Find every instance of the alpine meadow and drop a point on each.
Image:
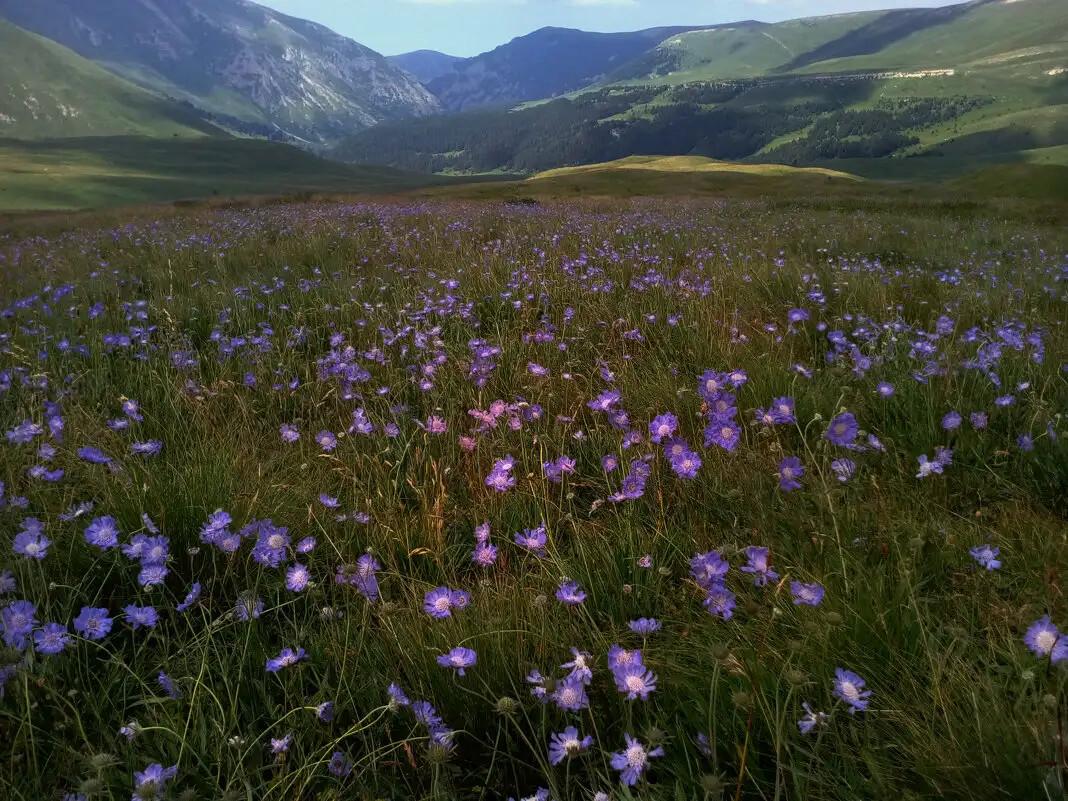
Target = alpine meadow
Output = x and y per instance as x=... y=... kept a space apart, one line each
x=671 y=414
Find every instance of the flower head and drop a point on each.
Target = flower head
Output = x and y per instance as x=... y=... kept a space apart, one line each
x=633 y=760
x=849 y=687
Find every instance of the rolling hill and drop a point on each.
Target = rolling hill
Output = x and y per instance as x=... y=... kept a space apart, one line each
x=234 y=59
x=47 y=90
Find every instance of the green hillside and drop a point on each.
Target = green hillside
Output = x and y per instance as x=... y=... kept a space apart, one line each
x=98 y=172
x=47 y=90
x=999 y=35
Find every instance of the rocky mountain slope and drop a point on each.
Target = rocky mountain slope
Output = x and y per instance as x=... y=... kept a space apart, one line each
x=234 y=58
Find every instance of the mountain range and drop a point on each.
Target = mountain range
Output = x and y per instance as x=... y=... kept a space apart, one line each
x=984 y=79
x=932 y=90
x=234 y=59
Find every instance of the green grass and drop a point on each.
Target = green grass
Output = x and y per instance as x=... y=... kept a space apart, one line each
x=119 y=171
x=47 y=90
x=305 y=297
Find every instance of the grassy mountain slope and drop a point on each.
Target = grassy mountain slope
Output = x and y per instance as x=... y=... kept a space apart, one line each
x=743 y=50
x=545 y=63
x=47 y=90
x=111 y=171
x=984 y=80
x=234 y=58
x=987 y=33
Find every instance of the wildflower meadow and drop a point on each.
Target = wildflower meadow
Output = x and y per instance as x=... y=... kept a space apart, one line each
x=573 y=500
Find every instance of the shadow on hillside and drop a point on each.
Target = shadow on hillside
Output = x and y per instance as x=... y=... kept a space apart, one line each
x=880 y=33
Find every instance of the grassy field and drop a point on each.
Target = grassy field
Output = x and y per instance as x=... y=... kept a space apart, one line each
x=98 y=172
x=458 y=500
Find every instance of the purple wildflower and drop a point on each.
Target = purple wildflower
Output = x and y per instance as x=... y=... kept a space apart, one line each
x=633 y=760
x=567 y=744
x=459 y=659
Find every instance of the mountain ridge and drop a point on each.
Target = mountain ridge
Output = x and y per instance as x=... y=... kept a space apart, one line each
x=426 y=65
x=234 y=58
x=567 y=59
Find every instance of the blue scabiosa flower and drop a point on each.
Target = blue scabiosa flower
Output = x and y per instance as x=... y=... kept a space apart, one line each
x=297 y=578
x=663 y=427
x=289 y=433
x=93 y=455
x=951 y=420
x=843 y=430
x=686 y=464
x=31 y=541
x=324 y=712
x=1046 y=640
x=726 y=434
x=635 y=680
x=149 y=783
x=51 y=639
x=849 y=687
x=103 y=533
x=790 y=470
x=327 y=441
x=285 y=658
x=150 y=447
x=806 y=594
x=579 y=666
x=166 y=683
x=570 y=693
x=811 y=719
x=440 y=601
x=191 y=598
x=459 y=659
x=843 y=469
x=272 y=542
x=141 y=617
x=17 y=620
x=570 y=593
x=248 y=607
x=709 y=569
x=567 y=744
x=758 y=566
x=280 y=745
x=720 y=602
x=93 y=623
x=152 y=575
x=645 y=626
x=633 y=760
x=986 y=556
x=533 y=540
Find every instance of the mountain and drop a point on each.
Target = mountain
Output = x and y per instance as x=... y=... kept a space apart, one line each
x=969 y=36
x=426 y=65
x=938 y=87
x=47 y=90
x=545 y=63
x=235 y=59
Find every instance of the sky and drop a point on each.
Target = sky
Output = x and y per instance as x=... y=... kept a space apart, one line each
x=469 y=27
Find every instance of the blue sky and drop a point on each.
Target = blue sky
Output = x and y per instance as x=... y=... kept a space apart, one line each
x=468 y=27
